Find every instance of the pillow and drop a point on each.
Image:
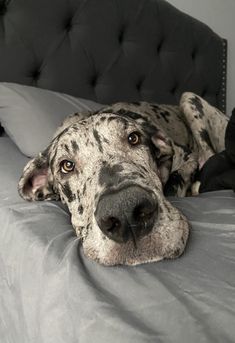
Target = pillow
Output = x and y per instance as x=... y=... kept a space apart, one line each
x=31 y=115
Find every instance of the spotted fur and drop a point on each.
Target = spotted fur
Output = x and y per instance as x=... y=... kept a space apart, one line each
x=175 y=142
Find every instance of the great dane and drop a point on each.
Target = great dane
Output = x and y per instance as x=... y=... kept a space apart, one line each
x=114 y=168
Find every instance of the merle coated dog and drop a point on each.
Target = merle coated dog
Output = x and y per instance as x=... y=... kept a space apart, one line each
x=114 y=168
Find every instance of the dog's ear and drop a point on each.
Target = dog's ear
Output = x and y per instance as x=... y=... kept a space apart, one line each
x=36 y=182
x=163 y=153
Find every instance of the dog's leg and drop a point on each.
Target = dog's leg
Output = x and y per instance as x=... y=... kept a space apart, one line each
x=184 y=168
x=207 y=124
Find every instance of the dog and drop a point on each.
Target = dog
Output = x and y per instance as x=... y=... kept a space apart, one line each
x=114 y=168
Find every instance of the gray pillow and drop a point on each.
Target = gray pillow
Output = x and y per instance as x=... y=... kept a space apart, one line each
x=31 y=115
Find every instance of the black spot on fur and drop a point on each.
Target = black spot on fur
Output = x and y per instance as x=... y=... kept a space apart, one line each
x=110 y=175
x=52 y=164
x=154 y=151
x=186 y=151
x=106 y=140
x=45 y=152
x=144 y=169
x=129 y=114
x=111 y=118
x=134 y=176
x=75 y=128
x=39 y=195
x=195 y=101
x=84 y=189
x=195 y=176
x=155 y=108
x=124 y=122
x=205 y=137
x=67 y=148
x=80 y=209
x=165 y=115
x=59 y=135
x=75 y=146
x=106 y=110
x=149 y=131
x=176 y=252
x=98 y=139
x=40 y=163
x=68 y=192
x=102 y=119
x=121 y=112
x=174 y=182
x=136 y=103
x=148 y=128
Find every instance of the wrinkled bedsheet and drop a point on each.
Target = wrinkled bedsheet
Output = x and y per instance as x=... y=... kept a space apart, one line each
x=51 y=293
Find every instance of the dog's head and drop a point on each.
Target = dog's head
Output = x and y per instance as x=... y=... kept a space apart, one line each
x=110 y=172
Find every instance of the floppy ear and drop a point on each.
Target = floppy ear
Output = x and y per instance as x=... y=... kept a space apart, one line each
x=164 y=153
x=36 y=182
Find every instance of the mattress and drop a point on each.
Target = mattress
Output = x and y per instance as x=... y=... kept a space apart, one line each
x=50 y=292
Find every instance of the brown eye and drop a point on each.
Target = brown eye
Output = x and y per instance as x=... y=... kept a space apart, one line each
x=134 y=138
x=66 y=166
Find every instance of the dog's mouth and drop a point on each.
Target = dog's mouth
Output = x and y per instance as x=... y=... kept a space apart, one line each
x=150 y=248
x=148 y=231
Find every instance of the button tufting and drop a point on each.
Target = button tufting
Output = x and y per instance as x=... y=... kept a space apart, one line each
x=173 y=90
x=121 y=35
x=139 y=85
x=203 y=94
x=159 y=47
x=69 y=24
x=193 y=55
x=153 y=51
x=36 y=74
x=94 y=81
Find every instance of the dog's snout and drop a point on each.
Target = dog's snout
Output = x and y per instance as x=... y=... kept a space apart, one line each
x=126 y=214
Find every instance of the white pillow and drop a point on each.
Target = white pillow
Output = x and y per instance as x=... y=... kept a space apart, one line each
x=31 y=115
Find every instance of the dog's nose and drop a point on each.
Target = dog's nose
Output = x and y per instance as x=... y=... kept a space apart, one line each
x=126 y=214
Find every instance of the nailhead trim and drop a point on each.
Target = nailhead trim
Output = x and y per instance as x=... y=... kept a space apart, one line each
x=224 y=76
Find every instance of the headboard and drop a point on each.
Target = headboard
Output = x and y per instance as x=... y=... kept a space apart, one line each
x=111 y=50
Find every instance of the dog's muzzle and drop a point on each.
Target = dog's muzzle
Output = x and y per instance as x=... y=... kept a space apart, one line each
x=128 y=213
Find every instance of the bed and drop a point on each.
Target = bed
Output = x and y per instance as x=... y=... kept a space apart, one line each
x=105 y=51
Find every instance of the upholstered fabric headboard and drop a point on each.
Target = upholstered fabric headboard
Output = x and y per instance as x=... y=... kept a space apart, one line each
x=111 y=50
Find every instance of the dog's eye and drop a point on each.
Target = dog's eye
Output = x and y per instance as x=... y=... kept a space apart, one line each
x=134 y=138
x=66 y=166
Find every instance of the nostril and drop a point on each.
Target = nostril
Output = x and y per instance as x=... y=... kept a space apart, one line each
x=110 y=225
x=114 y=229
x=145 y=215
x=144 y=211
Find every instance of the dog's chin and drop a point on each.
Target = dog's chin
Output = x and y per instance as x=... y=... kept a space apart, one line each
x=166 y=241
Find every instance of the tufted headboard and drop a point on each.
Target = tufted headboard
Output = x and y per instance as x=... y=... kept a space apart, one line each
x=111 y=50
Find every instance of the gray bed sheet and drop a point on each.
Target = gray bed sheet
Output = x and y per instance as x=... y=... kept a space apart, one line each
x=49 y=292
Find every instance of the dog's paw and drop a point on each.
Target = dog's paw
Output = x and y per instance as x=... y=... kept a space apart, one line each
x=195 y=188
